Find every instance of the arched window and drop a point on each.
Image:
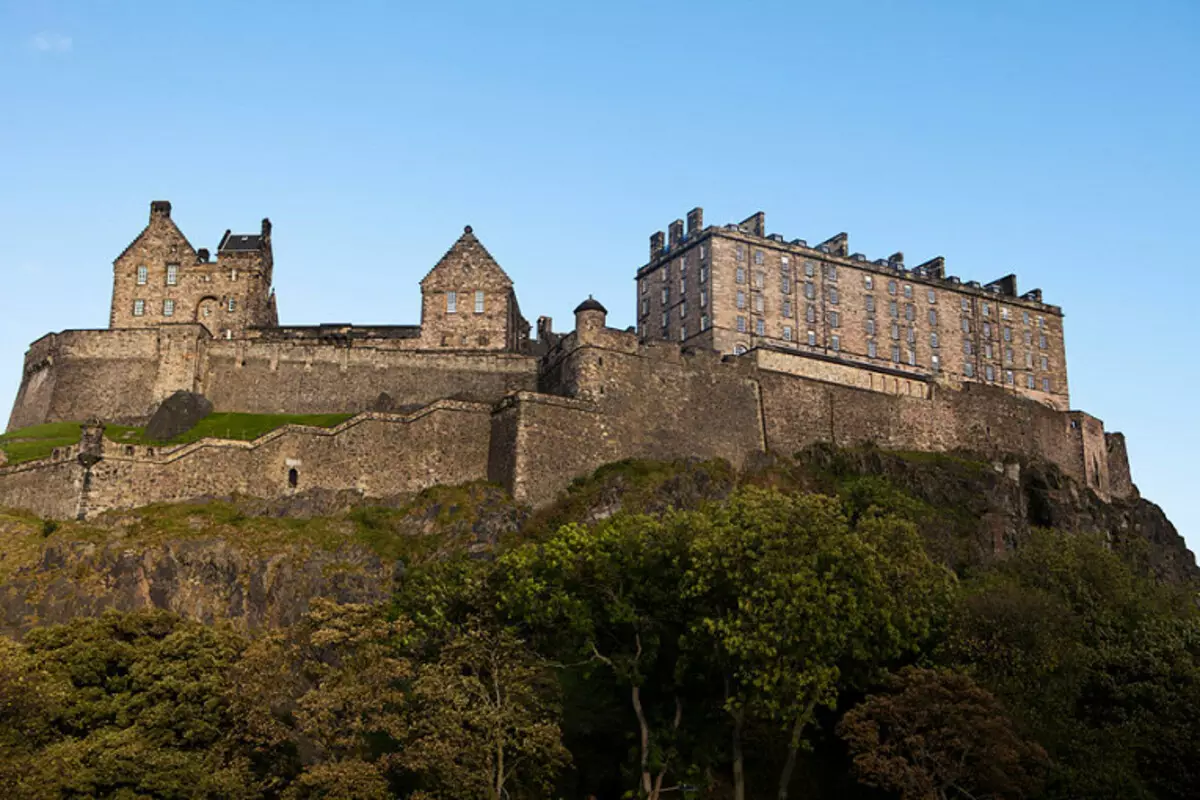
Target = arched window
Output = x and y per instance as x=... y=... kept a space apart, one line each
x=293 y=478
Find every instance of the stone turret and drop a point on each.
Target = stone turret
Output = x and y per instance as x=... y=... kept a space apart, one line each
x=590 y=318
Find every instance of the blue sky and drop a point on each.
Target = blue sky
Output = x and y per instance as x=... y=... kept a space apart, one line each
x=1054 y=140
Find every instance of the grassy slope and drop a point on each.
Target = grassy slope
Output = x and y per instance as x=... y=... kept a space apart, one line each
x=39 y=441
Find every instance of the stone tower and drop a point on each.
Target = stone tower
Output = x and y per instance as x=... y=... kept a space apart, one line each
x=160 y=279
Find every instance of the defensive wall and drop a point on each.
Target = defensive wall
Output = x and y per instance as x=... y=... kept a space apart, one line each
x=598 y=395
x=121 y=376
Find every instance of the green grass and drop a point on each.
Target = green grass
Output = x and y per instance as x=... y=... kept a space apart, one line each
x=40 y=441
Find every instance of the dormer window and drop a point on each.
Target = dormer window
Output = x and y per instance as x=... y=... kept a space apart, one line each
x=451 y=302
x=143 y=275
x=479 y=301
x=172 y=274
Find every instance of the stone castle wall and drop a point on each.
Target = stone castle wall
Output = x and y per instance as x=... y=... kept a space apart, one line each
x=598 y=396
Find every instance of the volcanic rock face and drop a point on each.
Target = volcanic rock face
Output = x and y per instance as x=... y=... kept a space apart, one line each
x=177 y=415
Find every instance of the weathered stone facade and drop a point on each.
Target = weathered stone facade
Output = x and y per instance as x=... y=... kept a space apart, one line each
x=468 y=396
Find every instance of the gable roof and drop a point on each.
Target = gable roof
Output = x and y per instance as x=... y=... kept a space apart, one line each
x=469 y=250
x=138 y=238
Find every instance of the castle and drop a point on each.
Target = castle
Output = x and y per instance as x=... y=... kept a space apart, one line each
x=745 y=344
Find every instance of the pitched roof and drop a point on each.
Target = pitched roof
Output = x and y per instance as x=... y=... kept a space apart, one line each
x=470 y=250
x=142 y=233
x=239 y=242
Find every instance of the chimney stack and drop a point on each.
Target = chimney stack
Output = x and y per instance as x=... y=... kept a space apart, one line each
x=160 y=208
x=657 y=241
x=675 y=233
x=695 y=221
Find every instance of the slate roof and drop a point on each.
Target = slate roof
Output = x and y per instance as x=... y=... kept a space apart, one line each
x=591 y=304
x=239 y=242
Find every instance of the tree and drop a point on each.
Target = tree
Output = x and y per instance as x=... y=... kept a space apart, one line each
x=610 y=597
x=937 y=735
x=483 y=719
x=792 y=597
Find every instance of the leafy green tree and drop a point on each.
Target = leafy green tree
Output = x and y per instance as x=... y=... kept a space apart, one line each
x=483 y=720
x=610 y=597
x=793 y=597
x=937 y=735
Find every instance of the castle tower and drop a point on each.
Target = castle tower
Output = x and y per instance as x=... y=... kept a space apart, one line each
x=161 y=279
x=590 y=318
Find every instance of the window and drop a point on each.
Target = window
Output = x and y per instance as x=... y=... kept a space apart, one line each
x=835 y=319
x=1029 y=382
x=895 y=331
x=912 y=336
x=703 y=273
x=892 y=288
x=810 y=291
x=785 y=285
x=760 y=280
x=704 y=298
x=683 y=309
x=645 y=307
x=870 y=327
x=896 y=353
x=833 y=296
x=1004 y=312
x=910 y=313
x=168 y=308
x=666 y=295
x=967 y=348
x=933 y=340
x=835 y=342
x=231 y=305
x=989 y=372
x=758 y=303
x=1045 y=364
x=787 y=308
x=645 y=286
x=936 y=362
x=682 y=286
x=893 y=308
x=1028 y=338
x=1042 y=341
x=143 y=275
x=932 y=317
x=1041 y=322
x=907 y=292
x=758 y=256
x=172 y=274
x=868 y=282
x=451 y=302
x=987 y=309
x=812 y=338
x=787 y=333
x=1007 y=334
x=1029 y=361
x=1008 y=376
x=831 y=271
x=1045 y=384
x=810 y=314
x=871 y=351
x=741 y=252
x=871 y=303
x=740 y=275
x=682 y=332
x=783 y=263
x=966 y=304
x=682 y=263
x=666 y=273
x=741 y=299
x=969 y=370
x=139 y=308
x=666 y=319
x=932 y=296
x=760 y=327
x=809 y=269
x=987 y=350
x=912 y=358
x=1008 y=355
x=704 y=322
x=741 y=324
x=703 y=252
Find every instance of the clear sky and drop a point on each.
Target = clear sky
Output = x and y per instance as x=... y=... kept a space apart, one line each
x=1054 y=140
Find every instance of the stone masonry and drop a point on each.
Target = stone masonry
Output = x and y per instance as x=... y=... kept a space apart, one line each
x=471 y=397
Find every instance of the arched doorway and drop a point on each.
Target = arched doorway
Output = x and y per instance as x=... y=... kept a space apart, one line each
x=206 y=313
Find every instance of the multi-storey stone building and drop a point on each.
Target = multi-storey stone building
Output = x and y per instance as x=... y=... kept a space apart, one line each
x=786 y=344
x=734 y=288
